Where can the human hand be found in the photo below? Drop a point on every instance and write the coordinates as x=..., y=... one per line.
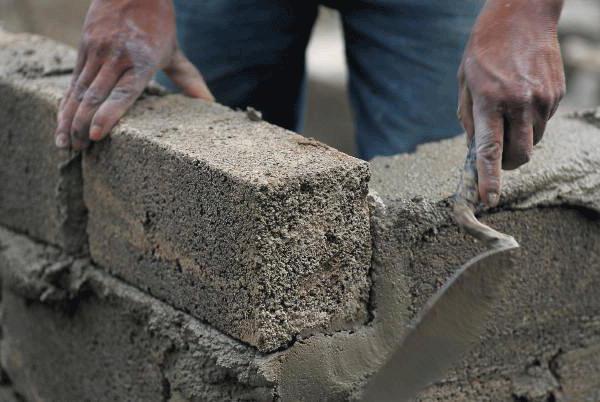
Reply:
x=124, y=43
x=511, y=81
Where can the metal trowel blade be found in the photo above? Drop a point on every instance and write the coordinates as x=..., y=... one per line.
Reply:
x=449, y=325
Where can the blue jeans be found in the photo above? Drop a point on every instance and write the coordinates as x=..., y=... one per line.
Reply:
x=402, y=55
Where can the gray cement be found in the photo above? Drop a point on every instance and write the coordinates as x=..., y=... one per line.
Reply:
x=260, y=232
x=73, y=333
x=275, y=245
x=54, y=212
x=32, y=56
x=266, y=242
x=550, y=310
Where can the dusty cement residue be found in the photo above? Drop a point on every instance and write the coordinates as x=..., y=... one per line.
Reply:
x=54, y=212
x=32, y=56
x=417, y=247
x=71, y=332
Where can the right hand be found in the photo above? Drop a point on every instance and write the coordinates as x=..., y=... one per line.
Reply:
x=511, y=82
x=125, y=42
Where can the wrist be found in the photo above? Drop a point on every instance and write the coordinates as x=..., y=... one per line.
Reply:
x=545, y=10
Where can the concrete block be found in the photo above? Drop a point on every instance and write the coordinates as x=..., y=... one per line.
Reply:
x=262, y=233
x=40, y=186
x=71, y=332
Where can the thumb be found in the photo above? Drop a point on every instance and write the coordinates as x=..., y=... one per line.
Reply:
x=187, y=77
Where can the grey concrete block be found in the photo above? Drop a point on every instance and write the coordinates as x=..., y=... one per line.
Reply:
x=71, y=332
x=262, y=233
x=40, y=186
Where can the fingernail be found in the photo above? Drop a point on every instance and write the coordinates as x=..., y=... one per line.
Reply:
x=95, y=133
x=61, y=140
x=493, y=199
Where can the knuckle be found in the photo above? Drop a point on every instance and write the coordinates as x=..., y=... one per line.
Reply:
x=119, y=54
x=100, y=119
x=489, y=93
x=519, y=97
x=122, y=93
x=96, y=46
x=77, y=125
x=79, y=90
x=489, y=150
x=91, y=44
x=93, y=98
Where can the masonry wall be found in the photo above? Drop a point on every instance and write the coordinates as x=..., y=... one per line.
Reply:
x=197, y=255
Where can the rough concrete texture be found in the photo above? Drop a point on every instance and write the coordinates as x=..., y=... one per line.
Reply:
x=272, y=242
x=33, y=56
x=71, y=332
x=550, y=313
x=54, y=212
x=262, y=233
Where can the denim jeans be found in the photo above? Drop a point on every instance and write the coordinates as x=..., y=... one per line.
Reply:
x=402, y=55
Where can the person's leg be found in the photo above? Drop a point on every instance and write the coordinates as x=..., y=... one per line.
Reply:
x=403, y=57
x=250, y=53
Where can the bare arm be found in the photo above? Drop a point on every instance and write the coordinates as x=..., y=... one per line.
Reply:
x=124, y=43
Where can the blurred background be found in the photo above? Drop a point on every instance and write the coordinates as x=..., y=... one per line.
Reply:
x=328, y=113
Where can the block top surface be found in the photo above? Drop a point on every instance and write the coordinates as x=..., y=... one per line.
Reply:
x=230, y=141
x=33, y=56
x=563, y=163
x=225, y=139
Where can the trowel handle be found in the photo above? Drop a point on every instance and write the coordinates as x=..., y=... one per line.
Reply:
x=468, y=187
x=466, y=201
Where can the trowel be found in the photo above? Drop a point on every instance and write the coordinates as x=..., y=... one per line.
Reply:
x=454, y=318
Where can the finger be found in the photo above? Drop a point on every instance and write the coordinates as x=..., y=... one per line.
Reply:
x=78, y=88
x=518, y=141
x=538, y=130
x=127, y=90
x=544, y=109
x=61, y=134
x=489, y=133
x=187, y=77
x=465, y=112
x=561, y=94
x=88, y=75
x=79, y=64
x=95, y=95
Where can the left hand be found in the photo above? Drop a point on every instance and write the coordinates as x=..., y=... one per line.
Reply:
x=511, y=82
